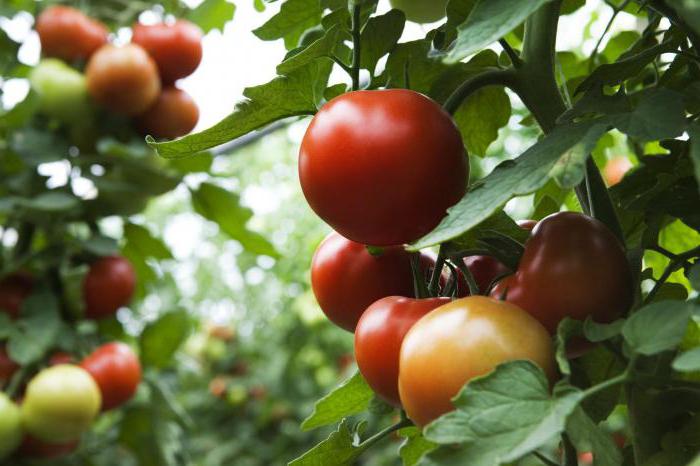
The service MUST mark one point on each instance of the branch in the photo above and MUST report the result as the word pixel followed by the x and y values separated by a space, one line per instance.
pixel 356 47
pixel 494 77
pixel 512 54
pixel 616 11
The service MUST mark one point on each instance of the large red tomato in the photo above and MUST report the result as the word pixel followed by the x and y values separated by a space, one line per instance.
pixel 7 366
pixel 13 291
pixel 346 278
pixel 32 447
pixel 69 34
pixel 108 285
pixel 117 371
pixel 382 167
pixel 378 339
pixel 573 266
pixel 461 340
pixel 123 79
pixel 174 114
pixel 176 47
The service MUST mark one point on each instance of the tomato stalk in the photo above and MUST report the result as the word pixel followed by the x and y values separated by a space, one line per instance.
pixel 677 261
pixel 473 287
pixel 404 422
pixel 434 285
pixel 356 47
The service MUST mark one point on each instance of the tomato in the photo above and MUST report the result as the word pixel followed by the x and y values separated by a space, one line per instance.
pixel 10 426
pixel 528 225
pixel 7 366
pixel 616 169
pixel 176 47
pixel 109 285
pixel 34 448
pixel 123 79
pixel 382 167
pixel 117 371
pixel 378 339
pixel 61 357
pixel 346 278
pixel 485 269
pixel 13 291
pixel 461 340
pixel 62 91
pixel 68 34
pixel 60 404
pixel 573 266
pixel 173 114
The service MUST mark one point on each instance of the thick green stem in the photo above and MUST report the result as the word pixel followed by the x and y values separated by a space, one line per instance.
pixel 495 77
pixel 356 46
pixel 434 286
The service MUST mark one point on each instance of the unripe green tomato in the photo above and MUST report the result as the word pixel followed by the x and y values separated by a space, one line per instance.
pixel 60 404
pixel 62 91
pixel 421 11
pixel 10 426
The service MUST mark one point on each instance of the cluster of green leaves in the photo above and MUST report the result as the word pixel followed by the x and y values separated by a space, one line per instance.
pixel 634 96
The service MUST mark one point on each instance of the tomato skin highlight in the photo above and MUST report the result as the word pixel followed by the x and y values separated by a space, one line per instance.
pixel 13 291
pixel 382 167
pixel 573 266
pixel 123 79
pixel 67 33
pixel 346 278
pixel 461 340
pixel 173 114
pixel 378 339
pixel 108 285
pixel 117 371
pixel 176 48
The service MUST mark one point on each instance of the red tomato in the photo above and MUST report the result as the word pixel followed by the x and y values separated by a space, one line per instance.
pixel 123 79
pixel 173 114
pixel 485 269
pixel 573 266
pixel 34 448
pixel 616 169
pixel 461 340
pixel 528 225
pixel 346 278
pixel 378 339
pixel 69 34
pixel 382 167
pixel 117 371
pixel 176 48
pixel 13 291
pixel 7 366
pixel 108 285
pixel 61 357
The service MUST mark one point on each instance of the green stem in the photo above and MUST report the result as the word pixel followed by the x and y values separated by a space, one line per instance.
pixel 473 287
pixel 544 459
pixel 512 54
pixel 570 454
pixel 404 422
pixel 356 45
pixel 434 286
pixel 495 77
pixel 617 380
pixel 677 261
pixel 616 11
pixel 419 287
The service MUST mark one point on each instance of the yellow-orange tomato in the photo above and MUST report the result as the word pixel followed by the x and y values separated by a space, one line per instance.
pixel 123 79
pixel 461 340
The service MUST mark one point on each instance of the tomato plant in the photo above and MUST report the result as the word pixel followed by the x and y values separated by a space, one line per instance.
pixel 13 291
pixel 68 34
pixel 176 47
pixel 421 11
pixel 10 426
pixel 60 404
pixel 382 167
pixel 378 339
pixel 117 371
pixel 173 114
pixel 123 79
pixel 108 285
pixel 62 90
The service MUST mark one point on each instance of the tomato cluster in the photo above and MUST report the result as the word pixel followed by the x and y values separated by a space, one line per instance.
pixel 382 167
pixel 136 80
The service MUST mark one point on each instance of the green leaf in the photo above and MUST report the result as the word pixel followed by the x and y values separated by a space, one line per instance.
pixel 524 175
pixel 596 332
pixel 657 327
pixel 379 37
pixel 162 338
pixel 352 397
pixel 587 436
pixel 297 94
pixel 142 241
pixel 36 147
pixel 688 361
pixel 35 332
pixel 337 450
pixel 212 14
pixel 502 417
pixel 489 21
pixel 224 208
pixel 694 133
pixel 294 17
pixel 326 46
pixel 100 245
pixel 643 122
pixel 199 163
pixel 51 202
pixel 5 325
pixel 566 331
pixel 414 447
pixel 694 276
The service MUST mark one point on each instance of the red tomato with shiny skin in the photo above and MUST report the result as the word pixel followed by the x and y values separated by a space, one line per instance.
pixel 346 278
pixel 117 371
pixel 109 285
pixel 573 266
pixel 68 34
pixel 34 448
pixel 7 366
pixel 174 114
pixel 382 167
pixel 13 291
pixel 123 79
pixel 378 339
pixel 176 48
